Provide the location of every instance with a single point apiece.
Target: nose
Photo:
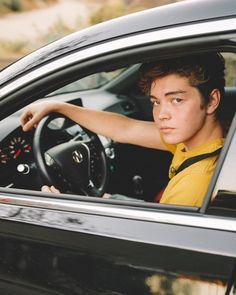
(162, 112)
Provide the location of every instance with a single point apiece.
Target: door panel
(76, 260)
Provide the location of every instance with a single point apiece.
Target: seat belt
(187, 163)
(193, 160)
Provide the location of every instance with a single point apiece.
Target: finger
(49, 189)
(45, 189)
(25, 116)
(29, 123)
(28, 126)
(25, 121)
(106, 196)
(54, 189)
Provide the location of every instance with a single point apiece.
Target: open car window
(130, 167)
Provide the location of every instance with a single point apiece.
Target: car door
(222, 192)
(77, 245)
(92, 247)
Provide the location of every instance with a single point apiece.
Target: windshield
(93, 81)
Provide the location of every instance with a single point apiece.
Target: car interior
(136, 172)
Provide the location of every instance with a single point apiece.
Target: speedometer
(4, 157)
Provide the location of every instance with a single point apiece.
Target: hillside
(29, 24)
(8, 6)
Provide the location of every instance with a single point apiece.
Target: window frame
(215, 42)
(220, 164)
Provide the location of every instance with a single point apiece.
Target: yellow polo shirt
(189, 186)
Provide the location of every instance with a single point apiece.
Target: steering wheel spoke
(79, 165)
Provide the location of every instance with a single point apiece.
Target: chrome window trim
(143, 214)
(174, 33)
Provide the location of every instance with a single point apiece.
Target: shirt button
(172, 170)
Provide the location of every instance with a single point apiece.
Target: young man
(186, 94)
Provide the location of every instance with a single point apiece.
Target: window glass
(90, 82)
(226, 180)
(168, 284)
(233, 290)
(230, 69)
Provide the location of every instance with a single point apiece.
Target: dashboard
(18, 168)
(17, 162)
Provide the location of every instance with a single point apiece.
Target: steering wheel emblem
(77, 156)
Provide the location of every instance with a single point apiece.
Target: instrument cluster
(15, 149)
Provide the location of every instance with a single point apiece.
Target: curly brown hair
(205, 72)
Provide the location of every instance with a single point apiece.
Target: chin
(172, 140)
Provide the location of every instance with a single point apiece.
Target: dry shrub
(32, 4)
(8, 6)
(116, 8)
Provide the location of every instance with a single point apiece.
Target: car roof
(184, 12)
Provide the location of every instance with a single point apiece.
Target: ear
(214, 100)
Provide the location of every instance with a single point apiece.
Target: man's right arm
(115, 126)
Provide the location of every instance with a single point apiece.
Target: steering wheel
(77, 166)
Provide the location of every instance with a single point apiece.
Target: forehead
(171, 82)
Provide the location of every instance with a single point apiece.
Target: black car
(77, 242)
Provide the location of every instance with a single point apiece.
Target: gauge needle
(17, 153)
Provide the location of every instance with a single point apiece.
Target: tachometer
(18, 146)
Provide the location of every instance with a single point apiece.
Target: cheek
(155, 114)
(191, 115)
(192, 121)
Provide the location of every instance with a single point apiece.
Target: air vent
(127, 106)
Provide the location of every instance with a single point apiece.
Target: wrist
(58, 107)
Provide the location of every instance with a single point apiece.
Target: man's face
(178, 110)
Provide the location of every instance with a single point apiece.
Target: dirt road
(30, 25)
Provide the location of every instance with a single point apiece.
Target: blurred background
(29, 24)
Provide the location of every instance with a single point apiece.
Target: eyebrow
(170, 93)
(175, 92)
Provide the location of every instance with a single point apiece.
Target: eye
(177, 100)
(154, 101)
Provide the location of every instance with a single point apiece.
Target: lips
(166, 129)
